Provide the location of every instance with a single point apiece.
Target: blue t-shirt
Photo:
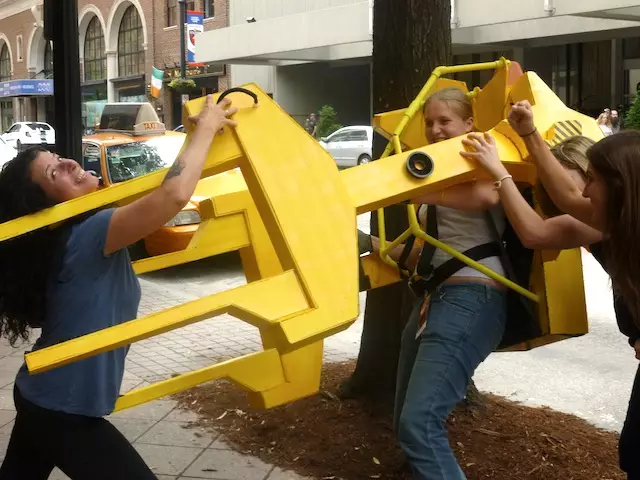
(89, 292)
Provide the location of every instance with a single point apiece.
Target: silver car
(350, 146)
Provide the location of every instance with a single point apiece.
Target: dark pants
(84, 448)
(629, 448)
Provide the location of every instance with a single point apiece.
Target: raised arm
(135, 221)
(558, 183)
(534, 232)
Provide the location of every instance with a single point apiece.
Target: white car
(350, 146)
(29, 133)
(7, 152)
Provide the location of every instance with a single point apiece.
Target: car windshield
(132, 160)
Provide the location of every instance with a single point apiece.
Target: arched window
(95, 57)
(130, 40)
(5, 63)
(48, 60)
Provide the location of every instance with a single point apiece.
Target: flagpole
(183, 52)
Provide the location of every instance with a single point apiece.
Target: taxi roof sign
(131, 118)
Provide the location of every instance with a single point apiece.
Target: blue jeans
(465, 323)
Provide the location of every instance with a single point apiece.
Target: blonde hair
(604, 119)
(572, 154)
(455, 99)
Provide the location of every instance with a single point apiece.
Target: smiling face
(443, 122)
(60, 178)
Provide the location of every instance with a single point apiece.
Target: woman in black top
(604, 213)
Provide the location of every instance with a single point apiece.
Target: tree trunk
(410, 39)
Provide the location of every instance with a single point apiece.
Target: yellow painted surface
(292, 216)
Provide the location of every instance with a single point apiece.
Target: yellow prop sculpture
(292, 216)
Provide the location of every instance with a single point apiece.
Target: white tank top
(464, 230)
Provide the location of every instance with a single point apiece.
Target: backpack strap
(504, 257)
(424, 263)
(428, 278)
(422, 285)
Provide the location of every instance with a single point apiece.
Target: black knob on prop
(420, 165)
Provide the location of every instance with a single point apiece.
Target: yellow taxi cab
(131, 142)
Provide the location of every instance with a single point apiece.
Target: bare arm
(534, 232)
(472, 197)
(561, 188)
(135, 221)
(556, 233)
(558, 183)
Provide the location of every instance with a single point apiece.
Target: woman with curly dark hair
(71, 281)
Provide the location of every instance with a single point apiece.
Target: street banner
(195, 24)
(156, 82)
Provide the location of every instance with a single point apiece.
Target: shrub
(632, 118)
(327, 121)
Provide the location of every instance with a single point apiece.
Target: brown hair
(572, 154)
(455, 99)
(617, 160)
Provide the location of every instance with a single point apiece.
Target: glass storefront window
(6, 114)
(132, 93)
(91, 113)
(560, 74)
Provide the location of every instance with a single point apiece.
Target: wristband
(535, 129)
(497, 185)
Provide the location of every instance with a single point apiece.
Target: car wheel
(364, 159)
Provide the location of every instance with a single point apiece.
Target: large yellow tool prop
(292, 215)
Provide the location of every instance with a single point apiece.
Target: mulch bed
(326, 438)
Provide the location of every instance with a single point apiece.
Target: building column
(112, 72)
(518, 55)
(617, 74)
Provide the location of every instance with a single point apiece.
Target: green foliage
(327, 121)
(632, 119)
(182, 84)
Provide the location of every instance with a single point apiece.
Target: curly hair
(25, 261)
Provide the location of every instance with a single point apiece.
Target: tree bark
(410, 39)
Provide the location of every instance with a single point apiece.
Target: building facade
(308, 54)
(120, 42)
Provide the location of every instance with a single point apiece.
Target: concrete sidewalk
(560, 376)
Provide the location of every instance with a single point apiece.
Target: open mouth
(80, 176)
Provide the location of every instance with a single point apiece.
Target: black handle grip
(239, 90)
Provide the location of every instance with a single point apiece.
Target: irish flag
(156, 82)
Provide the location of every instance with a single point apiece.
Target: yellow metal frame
(395, 145)
(292, 216)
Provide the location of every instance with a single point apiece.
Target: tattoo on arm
(174, 171)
